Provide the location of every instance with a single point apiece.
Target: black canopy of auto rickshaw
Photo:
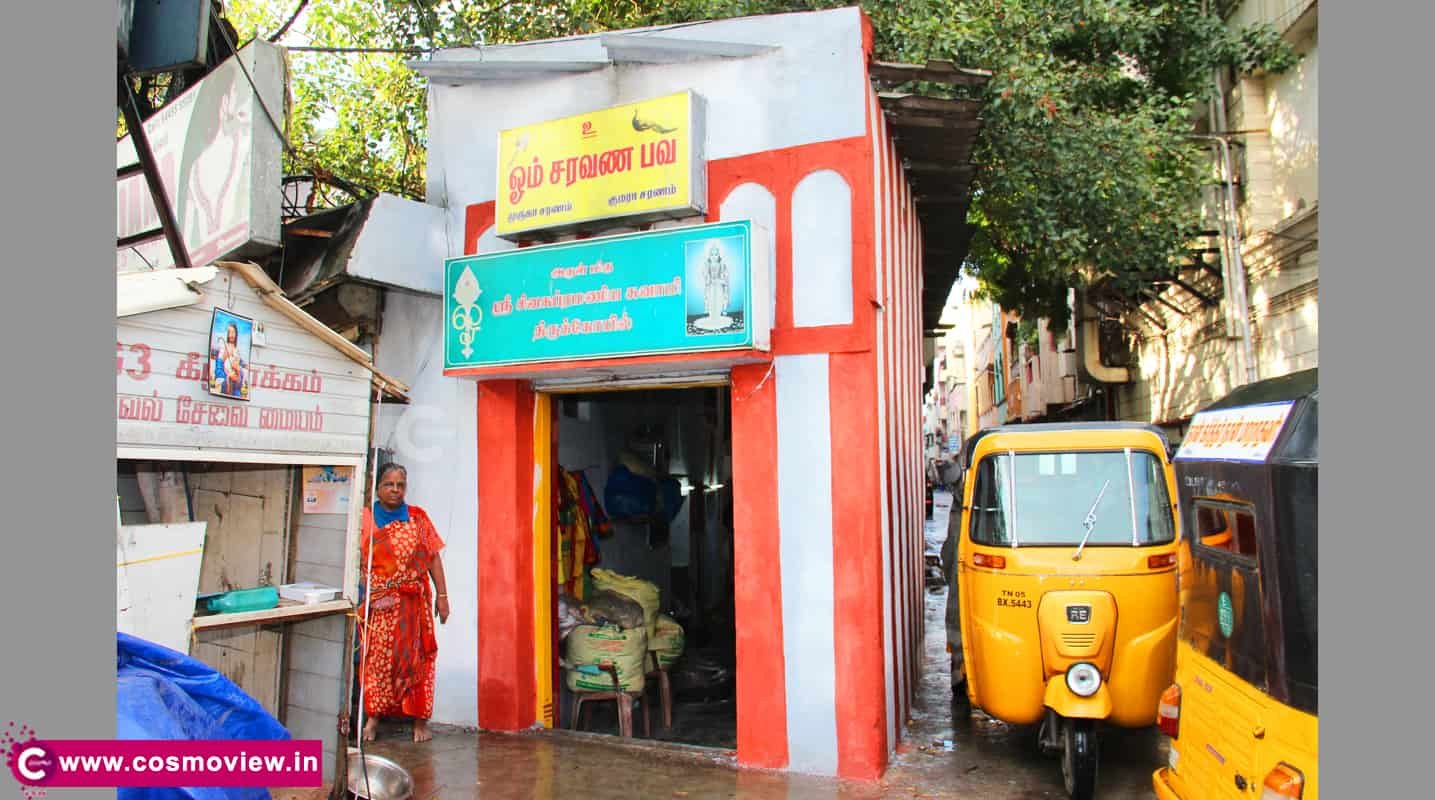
(1280, 658)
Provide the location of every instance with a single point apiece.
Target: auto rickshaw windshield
(1103, 498)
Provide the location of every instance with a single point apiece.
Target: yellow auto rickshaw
(1066, 573)
(1242, 711)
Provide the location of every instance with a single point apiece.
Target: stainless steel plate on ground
(386, 779)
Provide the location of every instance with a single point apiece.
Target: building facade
(824, 413)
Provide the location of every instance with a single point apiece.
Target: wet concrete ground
(988, 759)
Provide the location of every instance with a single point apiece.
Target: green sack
(595, 646)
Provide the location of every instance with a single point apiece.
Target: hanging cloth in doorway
(597, 520)
(577, 548)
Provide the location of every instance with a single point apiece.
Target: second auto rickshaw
(1066, 570)
(1242, 711)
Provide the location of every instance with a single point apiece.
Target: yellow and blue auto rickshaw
(1066, 581)
(1241, 715)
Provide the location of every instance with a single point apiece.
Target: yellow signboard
(637, 160)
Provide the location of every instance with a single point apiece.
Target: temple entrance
(641, 589)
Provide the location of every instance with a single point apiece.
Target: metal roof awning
(578, 54)
(935, 138)
(393, 389)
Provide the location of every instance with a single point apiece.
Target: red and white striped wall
(899, 355)
(826, 469)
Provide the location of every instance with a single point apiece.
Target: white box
(308, 592)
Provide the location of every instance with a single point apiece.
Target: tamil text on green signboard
(691, 289)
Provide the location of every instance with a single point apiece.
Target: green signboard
(679, 290)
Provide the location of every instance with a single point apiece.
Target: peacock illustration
(644, 125)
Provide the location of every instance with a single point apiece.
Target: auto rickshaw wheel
(1079, 757)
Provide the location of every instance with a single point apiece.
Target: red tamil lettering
(142, 350)
(190, 368)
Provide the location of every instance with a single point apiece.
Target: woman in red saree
(399, 645)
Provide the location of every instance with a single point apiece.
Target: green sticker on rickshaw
(1225, 614)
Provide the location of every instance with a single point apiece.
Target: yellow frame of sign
(641, 160)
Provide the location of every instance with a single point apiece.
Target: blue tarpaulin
(164, 694)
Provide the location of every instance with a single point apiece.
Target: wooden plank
(934, 71)
(910, 119)
(252, 482)
(268, 647)
(241, 533)
(321, 546)
(272, 560)
(278, 493)
(212, 507)
(326, 574)
(231, 652)
(287, 611)
(211, 478)
(943, 107)
(157, 575)
(953, 168)
(917, 102)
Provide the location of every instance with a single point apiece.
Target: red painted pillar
(857, 567)
(757, 582)
(507, 694)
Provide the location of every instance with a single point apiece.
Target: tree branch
(285, 27)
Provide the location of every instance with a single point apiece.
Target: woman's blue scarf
(383, 516)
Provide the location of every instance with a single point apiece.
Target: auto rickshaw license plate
(1080, 614)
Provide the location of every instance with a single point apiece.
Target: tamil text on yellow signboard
(637, 160)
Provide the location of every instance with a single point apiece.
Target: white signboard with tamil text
(220, 160)
(1235, 434)
(305, 399)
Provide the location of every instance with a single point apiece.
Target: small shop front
(685, 326)
(242, 431)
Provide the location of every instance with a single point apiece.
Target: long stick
(368, 598)
(346, 692)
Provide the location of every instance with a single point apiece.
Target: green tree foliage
(1084, 170)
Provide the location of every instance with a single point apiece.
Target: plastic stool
(625, 702)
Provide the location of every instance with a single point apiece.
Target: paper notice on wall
(326, 489)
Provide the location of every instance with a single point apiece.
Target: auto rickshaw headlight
(1083, 679)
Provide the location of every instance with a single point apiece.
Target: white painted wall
(822, 250)
(435, 437)
(810, 89)
(1292, 106)
(400, 243)
(804, 514)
